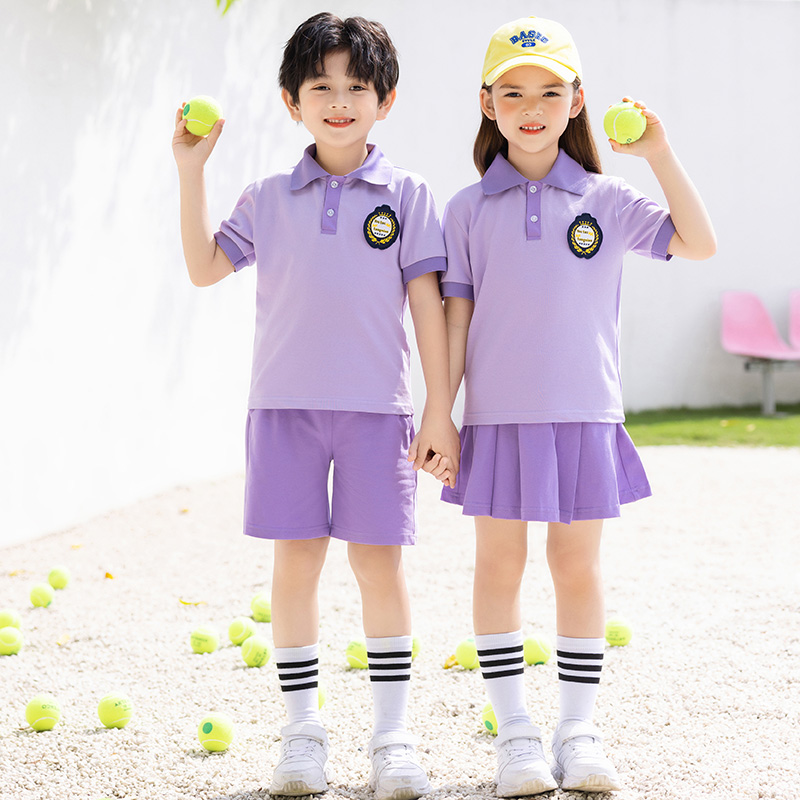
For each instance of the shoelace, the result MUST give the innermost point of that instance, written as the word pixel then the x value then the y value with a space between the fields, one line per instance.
pixel 583 747
pixel 397 755
pixel 522 747
pixel 301 746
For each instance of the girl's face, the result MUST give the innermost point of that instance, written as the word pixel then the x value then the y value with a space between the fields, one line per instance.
pixel 532 107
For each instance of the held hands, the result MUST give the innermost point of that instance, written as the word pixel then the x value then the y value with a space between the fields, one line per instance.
pixel 436 449
pixel 190 150
pixel 652 143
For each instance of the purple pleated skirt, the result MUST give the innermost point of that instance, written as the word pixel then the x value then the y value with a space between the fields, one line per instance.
pixel 548 472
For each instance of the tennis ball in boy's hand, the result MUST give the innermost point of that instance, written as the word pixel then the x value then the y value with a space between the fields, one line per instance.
pixel 624 123
pixel 115 710
pixel 204 640
pixel 489 719
pixel 10 641
pixel 58 577
pixel 618 632
pixel 240 629
pixel 255 651
pixel 43 712
pixel 467 653
pixel 215 732
pixel 42 595
pixel 357 654
pixel 261 608
pixel 201 113
pixel 536 650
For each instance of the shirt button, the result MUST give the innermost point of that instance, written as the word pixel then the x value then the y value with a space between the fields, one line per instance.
pixel 533 190
pixel 330 212
pixel 334 184
pixel 534 218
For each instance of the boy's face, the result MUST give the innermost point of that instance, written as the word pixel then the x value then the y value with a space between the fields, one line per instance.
pixel 338 110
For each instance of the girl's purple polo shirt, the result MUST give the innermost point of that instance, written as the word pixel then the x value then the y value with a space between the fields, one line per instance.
pixel 334 254
pixel 543 262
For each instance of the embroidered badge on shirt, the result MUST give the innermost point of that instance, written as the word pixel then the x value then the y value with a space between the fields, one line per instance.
pixel 381 228
pixel 585 236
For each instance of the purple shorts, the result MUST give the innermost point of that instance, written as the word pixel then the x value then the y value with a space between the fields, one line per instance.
pixel 289 455
pixel 550 472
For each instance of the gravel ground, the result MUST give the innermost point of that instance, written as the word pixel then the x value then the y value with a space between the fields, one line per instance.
pixel 703 703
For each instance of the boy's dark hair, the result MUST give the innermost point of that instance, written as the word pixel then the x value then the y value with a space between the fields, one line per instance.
pixel 373 57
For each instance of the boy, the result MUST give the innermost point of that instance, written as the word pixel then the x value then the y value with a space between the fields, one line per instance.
pixel 341 242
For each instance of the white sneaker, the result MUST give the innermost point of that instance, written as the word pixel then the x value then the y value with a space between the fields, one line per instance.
pixel 521 768
pixel 396 773
pixel 580 763
pixel 301 768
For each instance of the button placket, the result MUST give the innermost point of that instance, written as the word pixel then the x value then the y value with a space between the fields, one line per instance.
pixel 533 210
pixel 330 206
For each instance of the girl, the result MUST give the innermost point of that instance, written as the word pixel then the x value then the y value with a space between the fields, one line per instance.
pixel 535 255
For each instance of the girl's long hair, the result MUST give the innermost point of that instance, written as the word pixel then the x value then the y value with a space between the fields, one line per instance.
pixel 577 141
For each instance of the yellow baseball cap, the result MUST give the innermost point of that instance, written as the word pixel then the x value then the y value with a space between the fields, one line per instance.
pixel 531 41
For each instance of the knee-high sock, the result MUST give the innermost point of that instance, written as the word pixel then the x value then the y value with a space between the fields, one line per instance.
pixel 298 676
pixel 503 670
pixel 389 661
pixel 579 664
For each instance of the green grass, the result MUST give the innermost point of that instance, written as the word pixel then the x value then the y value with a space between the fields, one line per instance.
pixel 716 427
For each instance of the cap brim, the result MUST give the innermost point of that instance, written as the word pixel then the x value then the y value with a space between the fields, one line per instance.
pixel 531 60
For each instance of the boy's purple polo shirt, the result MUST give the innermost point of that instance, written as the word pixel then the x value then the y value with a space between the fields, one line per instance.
pixel 543 262
pixel 334 254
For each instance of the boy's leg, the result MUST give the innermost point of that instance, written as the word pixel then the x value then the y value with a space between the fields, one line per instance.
pixel 573 553
pixel 501 554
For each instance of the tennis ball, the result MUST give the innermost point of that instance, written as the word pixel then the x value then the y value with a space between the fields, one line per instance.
pixel 356 654
pixel 215 732
pixel 322 694
pixel 10 641
pixel 201 113
pixel 467 653
pixel 416 646
pixel 115 710
pixel 624 123
pixel 9 618
pixel 536 650
pixel 489 719
pixel 618 632
pixel 43 712
pixel 255 651
pixel 261 608
pixel 240 629
pixel 42 595
pixel 204 640
pixel 58 577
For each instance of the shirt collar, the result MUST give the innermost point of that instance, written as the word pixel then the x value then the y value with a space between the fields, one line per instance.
pixel 565 174
pixel 376 169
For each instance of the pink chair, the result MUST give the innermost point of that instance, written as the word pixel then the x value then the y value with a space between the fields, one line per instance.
pixel 748 331
pixel 794 319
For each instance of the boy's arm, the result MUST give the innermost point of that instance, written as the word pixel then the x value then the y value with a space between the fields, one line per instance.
pixel 205 260
pixel 694 235
pixel 437 433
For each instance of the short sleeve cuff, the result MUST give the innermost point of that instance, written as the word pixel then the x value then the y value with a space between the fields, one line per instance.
pixel 453 289
pixel 229 247
pixel 437 264
pixel 662 240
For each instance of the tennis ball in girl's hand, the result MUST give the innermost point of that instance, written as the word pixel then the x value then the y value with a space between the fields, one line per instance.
pixel 58 577
pixel 624 123
pixel 255 651
pixel 357 654
pixel 489 719
pixel 240 629
pixel 261 608
pixel 9 618
pixel 618 632
pixel 115 710
pixel 43 712
pixel 10 641
pixel 42 595
pixel 536 650
pixel 467 653
pixel 204 640
pixel 201 113
pixel 215 732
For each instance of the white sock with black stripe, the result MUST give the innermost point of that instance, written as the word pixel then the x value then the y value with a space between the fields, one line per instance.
pixel 579 664
pixel 298 676
pixel 389 661
pixel 503 670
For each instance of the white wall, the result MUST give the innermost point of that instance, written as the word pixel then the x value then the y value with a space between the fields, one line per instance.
pixel 118 378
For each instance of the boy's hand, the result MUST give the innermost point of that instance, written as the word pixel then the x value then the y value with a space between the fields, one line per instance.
pixel 437 437
pixel 190 150
pixel 439 466
pixel 652 143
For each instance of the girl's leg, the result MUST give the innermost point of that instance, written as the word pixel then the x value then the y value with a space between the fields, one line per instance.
pixel 573 553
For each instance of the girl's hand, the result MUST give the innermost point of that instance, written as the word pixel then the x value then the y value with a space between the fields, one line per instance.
pixel 437 438
pixel 190 150
pixel 439 466
pixel 652 143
